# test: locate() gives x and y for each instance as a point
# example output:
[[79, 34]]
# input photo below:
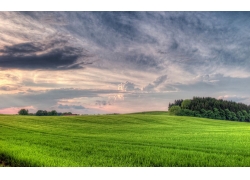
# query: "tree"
[[222, 114], [245, 114], [39, 113], [187, 112], [240, 116], [234, 117], [228, 114], [203, 113], [210, 114], [174, 110], [211, 108], [217, 114], [185, 104], [197, 114], [45, 113], [23, 112], [53, 113]]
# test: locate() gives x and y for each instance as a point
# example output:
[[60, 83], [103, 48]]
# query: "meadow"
[[153, 139]]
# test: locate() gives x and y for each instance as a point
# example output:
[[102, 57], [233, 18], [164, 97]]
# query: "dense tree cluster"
[[211, 108], [176, 103], [46, 113], [43, 113]]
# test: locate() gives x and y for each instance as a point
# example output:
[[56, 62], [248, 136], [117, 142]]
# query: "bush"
[[185, 104], [174, 110], [189, 112]]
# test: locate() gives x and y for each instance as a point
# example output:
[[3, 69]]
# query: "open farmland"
[[153, 139]]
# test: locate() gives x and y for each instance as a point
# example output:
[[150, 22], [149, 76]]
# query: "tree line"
[[43, 113], [211, 108]]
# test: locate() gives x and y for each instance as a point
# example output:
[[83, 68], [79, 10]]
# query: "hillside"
[[123, 140]]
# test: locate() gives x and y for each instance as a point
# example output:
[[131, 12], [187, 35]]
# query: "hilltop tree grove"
[[211, 108]]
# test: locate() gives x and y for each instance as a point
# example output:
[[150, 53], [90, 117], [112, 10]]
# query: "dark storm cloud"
[[55, 54], [147, 40], [22, 48]]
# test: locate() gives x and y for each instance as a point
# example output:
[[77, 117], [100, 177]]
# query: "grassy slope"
[[152, 113], [123, 140]]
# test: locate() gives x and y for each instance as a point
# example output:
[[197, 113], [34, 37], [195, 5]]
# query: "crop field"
[[142, 139]]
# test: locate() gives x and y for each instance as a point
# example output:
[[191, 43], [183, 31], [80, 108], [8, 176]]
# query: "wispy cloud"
[[156, 83], [122, 61], [233, 98]]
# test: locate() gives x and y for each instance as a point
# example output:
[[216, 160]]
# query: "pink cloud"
[[14, 110]]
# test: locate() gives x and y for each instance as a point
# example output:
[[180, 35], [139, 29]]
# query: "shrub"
[[174, 110]]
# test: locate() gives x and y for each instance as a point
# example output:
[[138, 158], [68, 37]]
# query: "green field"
[[140, 139]]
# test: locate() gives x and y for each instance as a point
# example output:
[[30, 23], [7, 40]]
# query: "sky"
[[121, 62]]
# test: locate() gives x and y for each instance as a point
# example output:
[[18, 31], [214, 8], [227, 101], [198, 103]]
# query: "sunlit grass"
[[151, 139]]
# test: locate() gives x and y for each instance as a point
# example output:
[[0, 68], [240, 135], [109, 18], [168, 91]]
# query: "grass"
[[143, 139]]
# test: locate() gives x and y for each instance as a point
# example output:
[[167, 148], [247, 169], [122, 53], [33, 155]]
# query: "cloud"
[[49, 98], [12, 77], [169, 88], [156, 83], [149, 87], [150, 40], [159, 57], [9, 88], [129, 86], [160, 80], [210, 78], [147, 40], [233, 98], [61, 106], [142, 60], [56, 54], [14, 110], [101, 103]]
